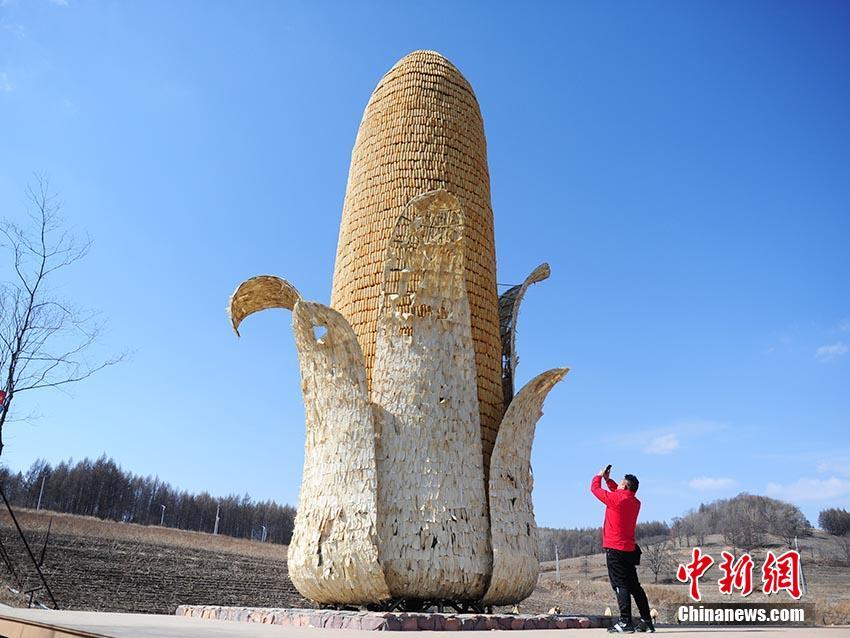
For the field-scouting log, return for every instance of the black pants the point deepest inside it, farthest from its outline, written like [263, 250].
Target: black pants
[624, 579]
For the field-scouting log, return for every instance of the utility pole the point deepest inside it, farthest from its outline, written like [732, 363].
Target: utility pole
[41, 492]
[217, 510]
[803, 583]
[162, 518]
[557, 566]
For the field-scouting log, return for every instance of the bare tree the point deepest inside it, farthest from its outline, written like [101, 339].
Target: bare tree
[788, 522]
[44, 340]
[835, 521]
[658, 557]
[682, 529]
[843, 543]
[746, 521]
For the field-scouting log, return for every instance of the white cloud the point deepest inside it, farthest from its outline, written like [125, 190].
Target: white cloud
[809, 489]
[665, 439]
[663, 444]
[5, 85]
[844, 326]
[710, 484]
[825, 353]
[838, 466]
[59, 3]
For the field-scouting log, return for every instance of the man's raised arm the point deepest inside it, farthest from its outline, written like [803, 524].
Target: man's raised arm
[596, 487]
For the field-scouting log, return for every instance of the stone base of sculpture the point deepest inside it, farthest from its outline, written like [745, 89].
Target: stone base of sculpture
[392, 620]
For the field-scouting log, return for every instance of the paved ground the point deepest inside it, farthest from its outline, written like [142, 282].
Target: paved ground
[32, 623]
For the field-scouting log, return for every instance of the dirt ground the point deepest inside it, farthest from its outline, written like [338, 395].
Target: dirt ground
[99, 565]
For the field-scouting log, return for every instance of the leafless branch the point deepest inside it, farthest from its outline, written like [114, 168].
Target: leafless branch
[43, 339]
[658, 557]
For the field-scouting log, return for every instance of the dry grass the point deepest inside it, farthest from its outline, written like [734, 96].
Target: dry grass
[88, 526]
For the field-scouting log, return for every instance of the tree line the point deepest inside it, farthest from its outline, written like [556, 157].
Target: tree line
[101, 488]
[588, 540]
[744, 522]
[835, 521]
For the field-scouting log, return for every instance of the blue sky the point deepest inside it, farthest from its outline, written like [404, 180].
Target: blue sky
[683, 167]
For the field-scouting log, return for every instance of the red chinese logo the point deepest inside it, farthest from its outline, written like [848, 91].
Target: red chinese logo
[782, 572]
[736, 574]
[693, 570]
[778, 573]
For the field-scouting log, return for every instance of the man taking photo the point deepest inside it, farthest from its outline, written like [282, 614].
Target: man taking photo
[621, 552]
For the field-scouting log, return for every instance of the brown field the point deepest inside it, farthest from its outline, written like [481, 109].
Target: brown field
[89, 526]
[98, 565]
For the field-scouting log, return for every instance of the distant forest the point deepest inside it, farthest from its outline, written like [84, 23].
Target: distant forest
[583, 541]
[744, 521]
[102, 489]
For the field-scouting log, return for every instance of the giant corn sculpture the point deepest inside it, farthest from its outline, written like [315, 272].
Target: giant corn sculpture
[417, 480]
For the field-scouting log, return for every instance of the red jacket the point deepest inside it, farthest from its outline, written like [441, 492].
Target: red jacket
[621, 513]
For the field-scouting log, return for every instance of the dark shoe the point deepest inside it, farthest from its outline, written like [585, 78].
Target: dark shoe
[621, 628]
[645, 625]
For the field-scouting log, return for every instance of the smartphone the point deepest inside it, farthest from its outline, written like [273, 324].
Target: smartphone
[608, 469]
